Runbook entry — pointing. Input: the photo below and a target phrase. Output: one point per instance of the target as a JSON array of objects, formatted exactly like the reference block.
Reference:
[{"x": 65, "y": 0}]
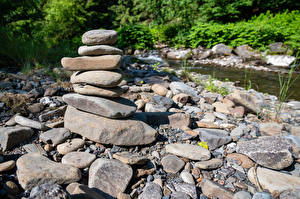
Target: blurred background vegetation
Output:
[{"x": 37, "y": 33}]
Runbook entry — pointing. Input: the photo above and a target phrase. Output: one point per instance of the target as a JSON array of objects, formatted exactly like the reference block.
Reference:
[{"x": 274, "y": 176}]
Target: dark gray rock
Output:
[
  {"x": 272, "y": 151},
  {"x": 151, "y": 191},
  {"x": 172, "y": 164},
  {"x": 111, "y": 108},
  {"x": 55, "y": 136},
  {"x": 12, "y": 136},
  {"x": 213, "y": 137},
  {"x": 189, "y": 189},
  {"x": 109, "y": 177}
]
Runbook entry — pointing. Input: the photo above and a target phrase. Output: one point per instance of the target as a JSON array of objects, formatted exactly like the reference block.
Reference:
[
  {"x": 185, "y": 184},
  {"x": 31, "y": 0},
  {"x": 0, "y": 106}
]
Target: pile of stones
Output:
[{"x": 96, "y": 110}]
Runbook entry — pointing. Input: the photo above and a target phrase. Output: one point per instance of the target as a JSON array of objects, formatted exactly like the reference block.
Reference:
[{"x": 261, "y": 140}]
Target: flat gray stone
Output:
[
  {"x": 35, "y": 148},
  {"x": 242, "y": 195},
  {"x": 151, "y": 191},
  {"x": 211, "y": 189},
  {"x": 104, "y": 62},
  {"x": 108, "y": 131},
  {"x": 55, "y": 136},
  {"x": 98, "y": 78},
  {"x": 189, "y": 151},
  {"x": 130, "y": 158},
  {"x": 68, "y": 147},
  {"x": 187, "y": 177},
  {"x": 30, "y": 123},
  {"x": 97, "y": 91},
  {"x": 34, "y": 169},
  {"x": 111, "y": 108},
  {"x": 95, "y": 37},
  {"x": 81, "y": 191},
  {"x": 189, "y": 189},
  {"x": 12, "y": 136},
  {"x": 213, "y": 137},
  {"x": 273, "y": 152},
  {"x": 172, "y": 164},
  {"x": 209, "y": 164},
  {"x": 53, "y": 114},
  {"x": 273, "y": 180},
  {"x": 111, "y": 177},
  {"x": 180, "y": 87},
  {"x": 78, "y": 159},
  {"x": 99, "y": 50}
]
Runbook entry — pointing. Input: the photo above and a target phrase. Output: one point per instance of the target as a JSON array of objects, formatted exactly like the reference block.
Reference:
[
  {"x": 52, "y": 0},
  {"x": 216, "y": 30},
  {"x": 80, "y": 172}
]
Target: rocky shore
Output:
[{"x": 179, "y": 141}]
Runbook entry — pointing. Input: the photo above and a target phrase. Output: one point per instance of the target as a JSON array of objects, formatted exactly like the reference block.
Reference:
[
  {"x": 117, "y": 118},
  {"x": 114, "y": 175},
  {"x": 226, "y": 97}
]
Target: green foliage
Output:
[
  {"x": 136, "y": 36},
  {"x": 258, "y": 32},
  {"x": 210, "y": 86}
]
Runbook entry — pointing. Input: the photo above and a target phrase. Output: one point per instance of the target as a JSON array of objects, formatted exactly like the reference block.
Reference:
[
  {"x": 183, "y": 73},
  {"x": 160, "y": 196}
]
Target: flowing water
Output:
[{"x": 265, "y": 82}]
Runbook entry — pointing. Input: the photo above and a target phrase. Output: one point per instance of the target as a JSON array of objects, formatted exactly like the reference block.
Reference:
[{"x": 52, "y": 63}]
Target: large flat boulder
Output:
[
  {"x": 95, "y": 37},
  {"x": 97, "y": 78},
  {"x": 104, "y": 62},
  {"x": 35, "y": 169},
  {"x": 111, "y": 108},
  {"x": 103, "y": 130},
  {"x": 273, "y": 180},
  {"x": 274, "y": 152},
  {"x": 97, "y": 91},
  {"x": 109, "y": 177},
  {"x": 99, "y": 50},
  {"x": 12, "y": 136}
]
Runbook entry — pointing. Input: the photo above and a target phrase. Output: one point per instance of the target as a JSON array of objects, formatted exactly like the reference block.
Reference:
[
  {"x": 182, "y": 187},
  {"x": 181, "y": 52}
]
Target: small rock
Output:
[
  {"x": 290, "y": 194},
  {"x": 151, "y": 191},
  {"x": 68, "y": 147},
  {"x": 211, "y": 189},
  {"x": 30, "y": 123},
  {"x": 159, "y": 89},
  {"x": 180, "y": 87},
  {"x": 187, "y": 177},
  {"x": 251, "y": 102},
  {"x": 242, "y": 195},
  {"x": 6, "y": 166},
  {"x": 81, "y": 191},
  {"x": 130, "y": 158},
  {"x": 238, "y": 112},
  {"x": 49, "y": 190},
  {"x": 55, "y": 136},
  {"x": 172, "y": 164},
  {"x": 52, "y": 114},
  {"x": 36, "y": 108},
  {"x": 221, "y": 108},
  {"x": 78, "y": 159},
  {"x": 188, "y": 189},
  {"x": 34, "y": 170},
  {"x": 243, "y": 160},
  {"x": 262, "y": 195},
  {"x": 109, "y": 176},
  {"x": 189, "y": 151},
  {"x": 209, "y": 164},
  {"x": 34, "y": 148},
  {"x": 239, "y": 131},
  {"x": 270, "y": 128},
  {"x": 12, "y": 136},
  {"x": 213, "y": 137},
  {"x": 181, "y": 98}
]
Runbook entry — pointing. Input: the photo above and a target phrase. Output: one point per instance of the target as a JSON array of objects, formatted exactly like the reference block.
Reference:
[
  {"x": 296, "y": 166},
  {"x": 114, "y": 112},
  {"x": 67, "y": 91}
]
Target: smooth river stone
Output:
[
  {"x": 108, "y": 131},
  {"x": 110, "y": 177},
  {"x": 104, "y": 62},
  {"x": 95, "y": 37},
  {"x": 99, "y": 50},
  {"x": 78, "y": 159},
  {"x": 97, "y": 91},
  {"x": 97, "y": 78},
  {"x": 111, "y": 108},
  {"x": 35, "y": 169},
  {"x": 189, "y": 151}
]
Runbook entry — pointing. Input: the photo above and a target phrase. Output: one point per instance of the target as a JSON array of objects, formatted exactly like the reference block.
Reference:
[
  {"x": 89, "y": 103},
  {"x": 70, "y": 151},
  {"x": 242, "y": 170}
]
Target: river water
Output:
[{"x": 265, "y": 82}]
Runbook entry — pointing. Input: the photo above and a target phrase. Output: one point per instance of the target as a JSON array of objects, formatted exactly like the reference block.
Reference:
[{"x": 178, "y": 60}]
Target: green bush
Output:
[
  {"x": 258, "y": 32},
  {"x": 136, "y": 36}
]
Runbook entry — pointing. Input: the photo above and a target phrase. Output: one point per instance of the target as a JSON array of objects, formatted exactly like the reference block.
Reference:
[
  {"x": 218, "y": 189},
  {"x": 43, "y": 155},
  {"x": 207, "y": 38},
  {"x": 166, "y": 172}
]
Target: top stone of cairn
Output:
[{"x": 95, "y": 37}]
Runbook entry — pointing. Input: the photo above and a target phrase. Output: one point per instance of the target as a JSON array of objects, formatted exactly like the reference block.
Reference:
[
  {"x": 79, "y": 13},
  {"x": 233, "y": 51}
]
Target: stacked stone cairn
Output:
[{"x": 96, "y": 110}]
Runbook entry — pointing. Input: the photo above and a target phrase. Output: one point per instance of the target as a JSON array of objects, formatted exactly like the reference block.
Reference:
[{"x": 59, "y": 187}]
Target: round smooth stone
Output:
[
  {"x": 97, "y": 78},
  {"x": 94, "y": 37},
  {"x": 68, "y": 147},
  {"x": 6, "y": 166},
  {"x": 78, "y": 159}
]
